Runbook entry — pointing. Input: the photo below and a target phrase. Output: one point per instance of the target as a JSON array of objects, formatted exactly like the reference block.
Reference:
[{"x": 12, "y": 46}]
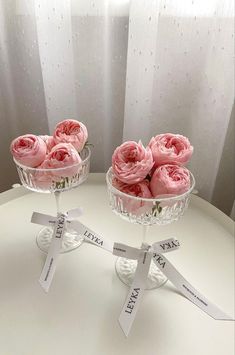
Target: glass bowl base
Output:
[
  {"x": 70, "y": 241},
  {"x": 125, "y": 269}
]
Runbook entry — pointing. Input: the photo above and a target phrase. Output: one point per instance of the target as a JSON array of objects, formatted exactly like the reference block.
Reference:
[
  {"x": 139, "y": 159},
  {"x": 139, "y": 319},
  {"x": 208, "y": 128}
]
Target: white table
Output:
[{"x": 79, "y": 314}]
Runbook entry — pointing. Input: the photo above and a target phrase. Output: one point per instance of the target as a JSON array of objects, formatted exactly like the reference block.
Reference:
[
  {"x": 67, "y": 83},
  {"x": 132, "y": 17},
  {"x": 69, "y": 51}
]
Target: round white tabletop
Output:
[{"x": 79, "y": 315}]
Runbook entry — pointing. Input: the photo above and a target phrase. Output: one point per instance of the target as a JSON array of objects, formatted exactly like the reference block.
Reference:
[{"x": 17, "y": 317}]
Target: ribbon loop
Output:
[
  {"x": 74, "y": 213},
  {"x": 43, "y": 219}
]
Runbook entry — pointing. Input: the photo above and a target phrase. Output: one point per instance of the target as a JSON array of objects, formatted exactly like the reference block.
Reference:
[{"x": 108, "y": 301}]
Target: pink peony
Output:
[
  {"x": 43, "y": 179},
  {"x": 170, "y": 148},
  {"x": 29, "y": 150},
  {"x": 170, "y": 179},
  {"x": 140, "y": 189},
  {"x": 64, "y": 159},
  {"x": 61, "y": 156},
  {"x": 50, "y": 142},
  {"x": 131, "y": 162},
  {"x": 71, "y": 131}
]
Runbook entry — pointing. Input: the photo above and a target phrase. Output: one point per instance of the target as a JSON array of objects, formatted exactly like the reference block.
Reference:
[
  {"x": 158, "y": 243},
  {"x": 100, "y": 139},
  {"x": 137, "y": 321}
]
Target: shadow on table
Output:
[{"x": 20, "y": 266}]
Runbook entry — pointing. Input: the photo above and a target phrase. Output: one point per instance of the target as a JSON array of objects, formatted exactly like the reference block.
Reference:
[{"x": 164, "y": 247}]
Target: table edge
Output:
[{"x": 197, "y": 201}]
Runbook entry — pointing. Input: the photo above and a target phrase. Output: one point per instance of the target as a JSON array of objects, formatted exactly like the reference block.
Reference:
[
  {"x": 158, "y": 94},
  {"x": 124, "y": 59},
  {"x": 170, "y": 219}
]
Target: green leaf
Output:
[{"x": 156, "y": 209}]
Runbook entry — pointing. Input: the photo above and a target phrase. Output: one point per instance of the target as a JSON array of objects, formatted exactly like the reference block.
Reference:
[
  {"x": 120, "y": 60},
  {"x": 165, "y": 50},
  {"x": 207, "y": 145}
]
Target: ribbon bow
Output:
[
  {"x": 58, "y": 224},
  {"x": 144, "y": 255},
  {"x": 136, "y": 292}
]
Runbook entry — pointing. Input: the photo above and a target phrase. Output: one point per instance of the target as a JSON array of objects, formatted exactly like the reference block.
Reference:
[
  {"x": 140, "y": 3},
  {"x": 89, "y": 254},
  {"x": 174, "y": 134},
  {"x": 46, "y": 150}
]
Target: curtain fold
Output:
[
  {"x": 180, "y": 78},
  {"x": 141, "y": 66},
  {"x": 54, "y": 36},
  {"x": 128, "y": 70}
]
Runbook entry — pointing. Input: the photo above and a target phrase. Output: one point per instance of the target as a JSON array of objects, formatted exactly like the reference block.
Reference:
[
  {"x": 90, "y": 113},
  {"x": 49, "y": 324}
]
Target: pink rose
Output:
[
  {"x": 50, "y": 142},
  {"x": 61, "y": 156},
  {"x": 131, "y": 162},
  {"x": 140, "y": 189},
  {"x": 71, "y": 131},
  {"x": 170, "y": 148},
  {"x": 28, "y": 150},
  {"x": 170, "y": 179}
]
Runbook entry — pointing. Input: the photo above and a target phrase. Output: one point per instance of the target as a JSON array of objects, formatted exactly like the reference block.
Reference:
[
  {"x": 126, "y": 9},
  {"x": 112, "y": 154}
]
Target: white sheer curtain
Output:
[{"x": 128, "y": 70}]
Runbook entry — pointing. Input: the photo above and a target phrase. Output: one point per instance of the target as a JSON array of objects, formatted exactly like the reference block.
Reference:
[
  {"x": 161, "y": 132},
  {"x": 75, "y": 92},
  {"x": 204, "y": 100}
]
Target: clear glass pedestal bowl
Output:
[
  {"x": 56, "y": 181},
  {"x": 146, "y": 212}
]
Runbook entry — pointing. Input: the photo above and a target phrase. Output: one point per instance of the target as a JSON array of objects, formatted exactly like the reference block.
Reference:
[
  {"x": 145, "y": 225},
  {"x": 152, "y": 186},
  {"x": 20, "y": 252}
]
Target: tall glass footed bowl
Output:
[
  {"x": 56, "y": 181},
  {"x": 146, "y": 212}
]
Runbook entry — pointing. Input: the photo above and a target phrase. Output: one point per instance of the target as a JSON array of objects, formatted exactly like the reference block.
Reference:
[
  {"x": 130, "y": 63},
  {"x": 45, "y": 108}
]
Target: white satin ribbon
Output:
[
  {"x": 144, "y": 257},
  {"x": 53, "y": 252},
  {"x": 58, "y": 225},
  {"x": 136, "y": 292},
  {"x": 91, "y": 237}
]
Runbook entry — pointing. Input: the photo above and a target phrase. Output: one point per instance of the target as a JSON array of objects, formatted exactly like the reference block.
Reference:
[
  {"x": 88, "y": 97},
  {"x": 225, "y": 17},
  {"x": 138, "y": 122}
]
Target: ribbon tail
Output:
[
  {"x": 49, "y": 267},
  {"x": 187, "y": 289},
  {"x": 91, "y": 237},
  {"x": 125, "y": 320},
  {"x": 136, "y": 293},
  {"x": 43, "y": 219}
]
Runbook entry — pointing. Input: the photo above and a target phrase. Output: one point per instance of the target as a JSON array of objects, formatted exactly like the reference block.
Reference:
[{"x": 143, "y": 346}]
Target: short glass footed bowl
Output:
[
  {"x": 146, "y": 212},
  {"x": 53, "y": 180},
  {"x": 56, "y": 181}
]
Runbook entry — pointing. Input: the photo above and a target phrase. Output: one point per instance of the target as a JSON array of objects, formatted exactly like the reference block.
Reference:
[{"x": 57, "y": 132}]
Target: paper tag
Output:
[
  {"x": 53, "y": 252},
  {"x": 136, "y": 292},
  {"x": 187, "y": 289}
]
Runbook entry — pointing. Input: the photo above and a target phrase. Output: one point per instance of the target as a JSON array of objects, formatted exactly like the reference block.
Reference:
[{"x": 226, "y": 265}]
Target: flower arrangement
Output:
[
  {"x": 154, "y": 172},
  {"x": 52, "y": 159}
]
